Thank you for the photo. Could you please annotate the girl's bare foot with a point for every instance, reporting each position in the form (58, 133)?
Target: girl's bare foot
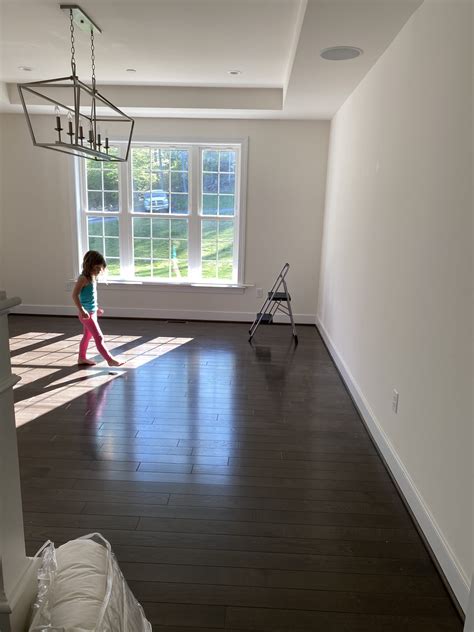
(115, 363)
(86, 362)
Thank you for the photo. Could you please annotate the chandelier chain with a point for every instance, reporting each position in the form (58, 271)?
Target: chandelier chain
(93, 58)
(73, 49)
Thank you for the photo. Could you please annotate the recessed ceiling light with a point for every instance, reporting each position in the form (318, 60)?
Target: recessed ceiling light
(234, 72)
(25, 68)
(341, 53)
(131, 69)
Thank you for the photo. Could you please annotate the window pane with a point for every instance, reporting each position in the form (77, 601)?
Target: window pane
(161, 248)
(142, 268)
(95, 226)
(227, 161)
(209, 204)
(160, 159)
(160, 227)
(209, 249)
(113, 267)
(179, 249)
(226, 183)
(179, 160)
(141, 169)
(141, 248)
(179, 228)
(179, 181)
(226, 230)
(161, 268)
(94, 178)
(224, 270)
(94, 201)
(179, 203)
(96, 243)
(209, 182)
(111, 225)
(110, 179)
(209, 270)
(209, 229)
(179, 268)
(226, 249)
(112, 248)
(156, 201)
(226, 204)
(210, 160)
(113, 151)
(141, 227)
(111, 201)
(162, 179)
(139, 203)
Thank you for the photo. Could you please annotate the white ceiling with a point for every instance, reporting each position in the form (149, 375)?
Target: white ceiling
(182, 51)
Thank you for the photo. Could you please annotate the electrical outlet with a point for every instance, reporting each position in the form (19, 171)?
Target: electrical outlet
(395, 396)
(259, 292)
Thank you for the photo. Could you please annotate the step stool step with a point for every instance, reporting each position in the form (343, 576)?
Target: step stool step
(279, 296)
(267, 319)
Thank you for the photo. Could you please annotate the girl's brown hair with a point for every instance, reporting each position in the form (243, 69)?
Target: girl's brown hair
(91, 259)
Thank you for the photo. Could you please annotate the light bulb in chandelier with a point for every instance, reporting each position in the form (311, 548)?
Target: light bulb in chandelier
(70, 131)
(58, 127)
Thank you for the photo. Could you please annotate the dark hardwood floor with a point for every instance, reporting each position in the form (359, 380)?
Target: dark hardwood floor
(236, 483)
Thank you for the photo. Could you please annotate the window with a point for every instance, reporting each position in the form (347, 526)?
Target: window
(171, 214)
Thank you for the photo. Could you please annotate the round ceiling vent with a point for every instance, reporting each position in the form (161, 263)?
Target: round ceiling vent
(341, 53)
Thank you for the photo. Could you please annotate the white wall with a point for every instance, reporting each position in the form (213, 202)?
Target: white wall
(286, 187)
(395, 302)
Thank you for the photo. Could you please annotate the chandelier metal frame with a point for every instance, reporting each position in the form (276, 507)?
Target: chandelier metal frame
(93, 145)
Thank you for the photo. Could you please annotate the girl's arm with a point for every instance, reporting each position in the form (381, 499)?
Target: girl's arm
(80, 283)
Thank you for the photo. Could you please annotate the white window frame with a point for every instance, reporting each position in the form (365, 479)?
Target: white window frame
(195, 216)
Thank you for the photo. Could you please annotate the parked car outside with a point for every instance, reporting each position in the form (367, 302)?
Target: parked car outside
(156, 201)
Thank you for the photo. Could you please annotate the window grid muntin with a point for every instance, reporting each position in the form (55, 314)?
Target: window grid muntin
(102, 168)
(218, 173)
(173, 263)
(102, 241)
(217, 260)
(172, 194)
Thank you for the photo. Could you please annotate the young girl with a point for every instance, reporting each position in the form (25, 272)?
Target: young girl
(84, 296)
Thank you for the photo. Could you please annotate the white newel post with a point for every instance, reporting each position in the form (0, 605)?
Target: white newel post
(469, 624)
(17, 571)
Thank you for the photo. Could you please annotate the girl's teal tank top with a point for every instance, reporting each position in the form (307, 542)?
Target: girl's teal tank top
(88, 297)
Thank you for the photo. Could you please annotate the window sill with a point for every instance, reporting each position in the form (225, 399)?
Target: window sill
(141, 286)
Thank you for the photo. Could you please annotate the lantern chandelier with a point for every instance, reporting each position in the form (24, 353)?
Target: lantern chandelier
(83, 117)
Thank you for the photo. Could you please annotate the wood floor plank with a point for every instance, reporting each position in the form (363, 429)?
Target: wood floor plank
(289, 598)
(271, 619)
(265, 516)
(351, 548)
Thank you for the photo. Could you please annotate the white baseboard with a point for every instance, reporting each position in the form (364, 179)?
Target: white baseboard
(147, 312)
(457, 579)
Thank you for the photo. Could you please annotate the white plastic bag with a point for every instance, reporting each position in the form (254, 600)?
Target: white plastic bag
(81, 589)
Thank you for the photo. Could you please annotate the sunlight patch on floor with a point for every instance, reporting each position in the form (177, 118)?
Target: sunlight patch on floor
(54, 358)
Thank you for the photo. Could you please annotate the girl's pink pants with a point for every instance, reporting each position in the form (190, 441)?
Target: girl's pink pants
(92, 330)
